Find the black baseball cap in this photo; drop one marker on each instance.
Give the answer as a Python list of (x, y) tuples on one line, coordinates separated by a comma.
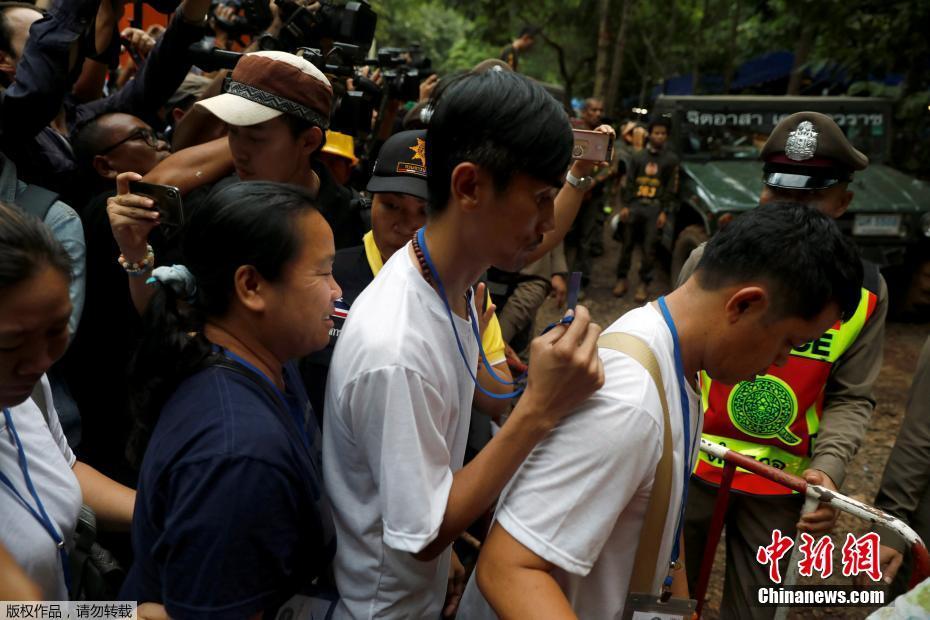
[(401, 165)]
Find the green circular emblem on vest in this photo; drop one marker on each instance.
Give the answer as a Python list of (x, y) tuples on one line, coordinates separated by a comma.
[(764, 408)]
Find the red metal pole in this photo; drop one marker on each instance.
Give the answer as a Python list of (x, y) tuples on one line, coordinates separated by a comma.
[(921, 568), (795, 483), (713, 537)]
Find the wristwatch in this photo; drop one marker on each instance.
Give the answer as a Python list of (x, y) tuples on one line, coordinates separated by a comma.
[(583, 184)]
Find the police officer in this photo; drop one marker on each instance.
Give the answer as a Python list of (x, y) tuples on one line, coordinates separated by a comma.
[(905, 488), (808, 416)]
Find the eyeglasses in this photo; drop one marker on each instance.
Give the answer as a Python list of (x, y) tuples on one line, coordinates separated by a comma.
[(143, 133)]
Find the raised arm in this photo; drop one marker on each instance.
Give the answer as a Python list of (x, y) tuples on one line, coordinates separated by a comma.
[(567, 203), (89, 85), (194, 167), (162, 72), (46, 70)]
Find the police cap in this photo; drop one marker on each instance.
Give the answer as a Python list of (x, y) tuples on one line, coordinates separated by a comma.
[(808, 150)]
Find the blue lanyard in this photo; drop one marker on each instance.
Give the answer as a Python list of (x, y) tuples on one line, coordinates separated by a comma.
[(301, 423), (421, 240), (41, 515), (686, 419)]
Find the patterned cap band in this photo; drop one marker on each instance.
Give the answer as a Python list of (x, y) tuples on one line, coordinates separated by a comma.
[(275, 102)]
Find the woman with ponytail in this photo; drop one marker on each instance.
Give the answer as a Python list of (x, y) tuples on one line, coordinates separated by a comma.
[(231, 517)]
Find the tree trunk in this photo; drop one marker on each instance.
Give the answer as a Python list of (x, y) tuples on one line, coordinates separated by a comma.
[(616, 68), (699, 45), (801, 53), (568, 77), (730, 68), (601, 66)]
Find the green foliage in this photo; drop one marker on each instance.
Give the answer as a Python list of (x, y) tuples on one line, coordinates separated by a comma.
[(448, 38), (457, 34), (858, 41)]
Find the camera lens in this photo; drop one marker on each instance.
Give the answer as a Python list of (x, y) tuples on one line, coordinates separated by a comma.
[(577, 151)]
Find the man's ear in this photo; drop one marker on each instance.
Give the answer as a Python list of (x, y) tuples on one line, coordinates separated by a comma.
[(745, 302), (837, 200), (177, 114), (8, 66), (311, 139), (102, 166), (250, 287), (465, 188), (845, 201)]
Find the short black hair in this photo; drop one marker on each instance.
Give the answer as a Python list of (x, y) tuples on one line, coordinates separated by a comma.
[(88, 139), (500, 120), (247, 223), (27, 245), (530, 30), (298, 125), (661, 121), (797, 249)]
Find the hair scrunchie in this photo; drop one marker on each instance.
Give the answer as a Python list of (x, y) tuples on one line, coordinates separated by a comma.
[(178, 278)]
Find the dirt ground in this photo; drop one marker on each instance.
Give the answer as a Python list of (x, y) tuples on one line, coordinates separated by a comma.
[(903, 342)]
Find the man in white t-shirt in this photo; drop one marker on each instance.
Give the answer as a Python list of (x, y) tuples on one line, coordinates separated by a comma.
[(400, 385), (568, 526)]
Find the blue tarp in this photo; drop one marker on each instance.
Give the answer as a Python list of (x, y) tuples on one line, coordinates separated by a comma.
[(757, 71), (762, 69)]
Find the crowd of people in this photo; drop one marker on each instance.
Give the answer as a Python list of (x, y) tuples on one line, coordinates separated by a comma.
[(282, 369)]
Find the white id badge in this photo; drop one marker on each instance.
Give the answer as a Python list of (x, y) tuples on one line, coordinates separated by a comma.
[(650, 607)]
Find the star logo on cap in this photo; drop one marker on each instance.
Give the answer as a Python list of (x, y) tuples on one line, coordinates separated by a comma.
[(419, 151), (802, 142)]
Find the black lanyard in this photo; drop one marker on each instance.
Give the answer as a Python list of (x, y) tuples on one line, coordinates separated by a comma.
[(39, 512)]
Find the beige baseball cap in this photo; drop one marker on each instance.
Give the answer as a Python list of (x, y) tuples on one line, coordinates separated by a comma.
[(265, 85)]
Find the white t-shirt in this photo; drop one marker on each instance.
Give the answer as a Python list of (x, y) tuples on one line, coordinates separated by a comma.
[(580, 498), (49, 460), (398, 403)]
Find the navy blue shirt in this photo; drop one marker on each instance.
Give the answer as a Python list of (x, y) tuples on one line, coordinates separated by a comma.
[(231, 517)]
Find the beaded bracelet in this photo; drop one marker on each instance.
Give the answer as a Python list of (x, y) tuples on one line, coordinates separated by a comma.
[(140, 268)]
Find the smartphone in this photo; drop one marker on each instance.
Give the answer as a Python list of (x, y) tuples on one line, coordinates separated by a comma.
[(592, 145), (167, 200)]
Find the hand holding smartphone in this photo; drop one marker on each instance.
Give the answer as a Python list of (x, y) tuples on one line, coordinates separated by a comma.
[(167, 199), (595, 146)]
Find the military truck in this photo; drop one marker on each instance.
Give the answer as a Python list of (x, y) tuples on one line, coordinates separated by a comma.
[(719, 138)]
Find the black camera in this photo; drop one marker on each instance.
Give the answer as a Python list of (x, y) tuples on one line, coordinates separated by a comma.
[(352, 23), (253, 17), (404, 69), (352, 110)]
